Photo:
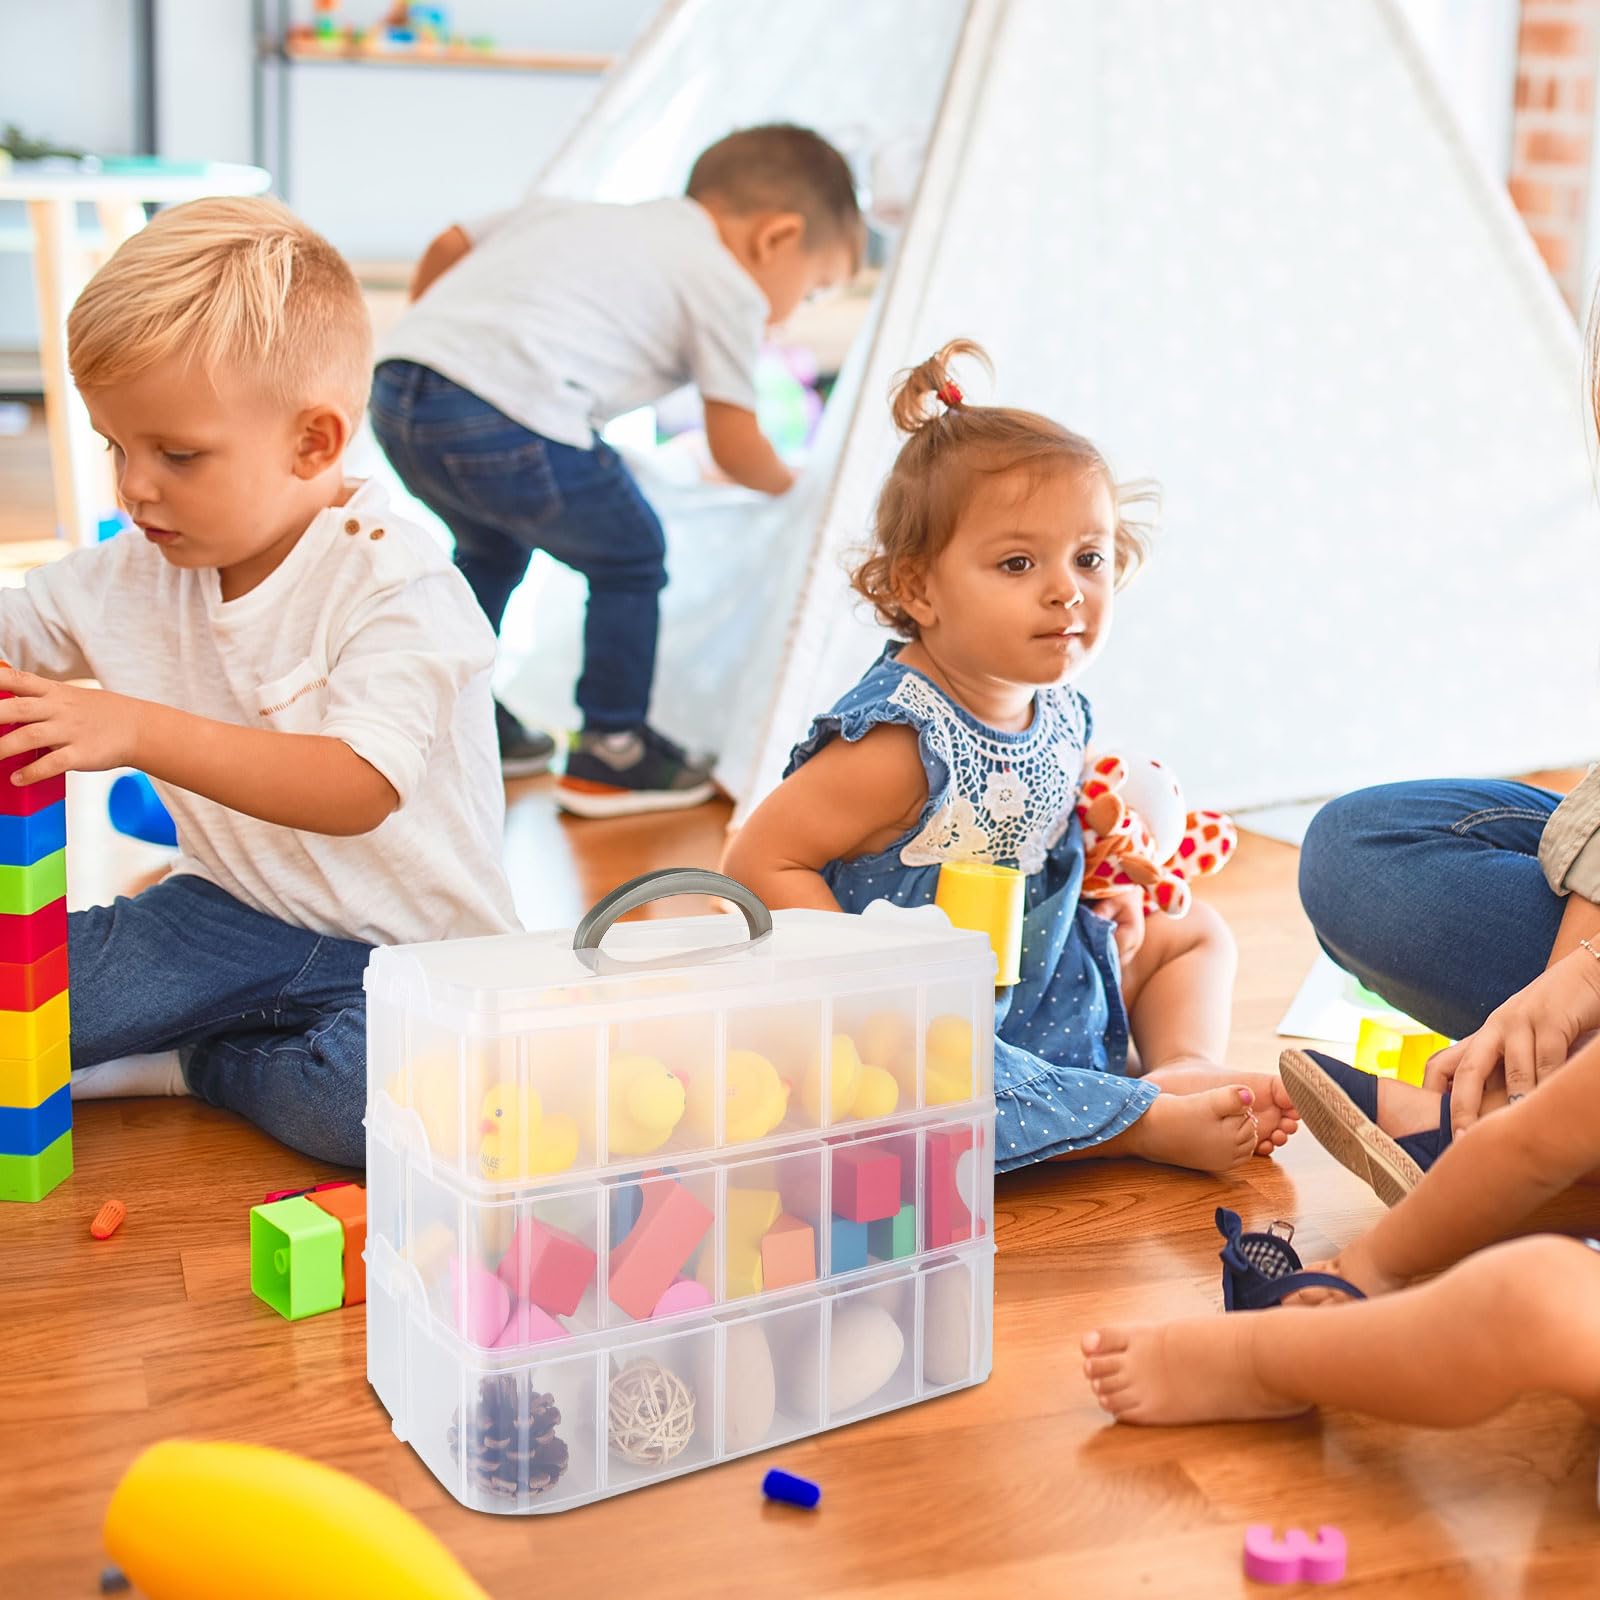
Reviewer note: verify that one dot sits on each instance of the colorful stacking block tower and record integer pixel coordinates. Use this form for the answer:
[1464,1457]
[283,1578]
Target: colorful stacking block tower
[35,1059]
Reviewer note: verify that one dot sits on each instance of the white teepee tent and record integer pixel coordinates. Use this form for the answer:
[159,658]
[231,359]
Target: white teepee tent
[1244,249]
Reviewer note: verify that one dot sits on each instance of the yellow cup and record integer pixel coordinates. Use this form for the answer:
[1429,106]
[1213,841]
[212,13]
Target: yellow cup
[987,900]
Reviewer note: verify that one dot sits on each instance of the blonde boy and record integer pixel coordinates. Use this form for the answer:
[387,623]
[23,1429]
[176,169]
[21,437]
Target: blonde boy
[536,327]
[301,673]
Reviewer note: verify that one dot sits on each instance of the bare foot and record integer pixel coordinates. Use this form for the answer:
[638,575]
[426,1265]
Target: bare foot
[1196,1370]
[1355,1265]
[1276,1116]
[1207,1132]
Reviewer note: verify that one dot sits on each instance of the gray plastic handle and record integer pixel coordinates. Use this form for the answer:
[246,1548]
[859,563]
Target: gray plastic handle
[662,885]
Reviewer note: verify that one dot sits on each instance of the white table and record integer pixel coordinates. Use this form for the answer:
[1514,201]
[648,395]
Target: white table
[53,190]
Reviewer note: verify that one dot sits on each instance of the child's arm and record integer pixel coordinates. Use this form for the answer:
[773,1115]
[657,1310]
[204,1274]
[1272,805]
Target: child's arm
[310,781]
[849,799]
[1488,1182]
[442,254]
[742,450]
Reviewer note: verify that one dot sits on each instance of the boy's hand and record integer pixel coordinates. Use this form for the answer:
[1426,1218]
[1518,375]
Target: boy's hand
[73,729]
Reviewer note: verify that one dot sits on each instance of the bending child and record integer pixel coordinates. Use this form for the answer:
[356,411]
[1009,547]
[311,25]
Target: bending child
[302,674]
[1521,1318]
[1000,541]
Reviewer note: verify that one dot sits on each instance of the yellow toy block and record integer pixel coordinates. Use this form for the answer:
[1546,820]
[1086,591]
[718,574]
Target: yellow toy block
[33,1033]
[751,1212]
[32,1080]
[1403,1053]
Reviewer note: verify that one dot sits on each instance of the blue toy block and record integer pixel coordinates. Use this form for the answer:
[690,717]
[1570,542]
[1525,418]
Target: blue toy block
[792,1490]
[849,1245]
[26,1130]
[25,840]
[627,1200]
[137,811]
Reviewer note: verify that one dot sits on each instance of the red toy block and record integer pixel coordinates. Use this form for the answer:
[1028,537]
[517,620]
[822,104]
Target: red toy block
[24,801]
[547,1267]
[788,1253]
[24,940]
[346,1203]
[26,986]
[947,1219]
[866,1182]
[671,1225]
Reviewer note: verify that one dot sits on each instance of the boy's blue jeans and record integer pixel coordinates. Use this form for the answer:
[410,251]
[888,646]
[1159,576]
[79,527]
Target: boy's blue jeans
[268,1019]
[505,492]
[1431,893]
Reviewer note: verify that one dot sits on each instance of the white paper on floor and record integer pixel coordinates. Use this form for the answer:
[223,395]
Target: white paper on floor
[1330,1005]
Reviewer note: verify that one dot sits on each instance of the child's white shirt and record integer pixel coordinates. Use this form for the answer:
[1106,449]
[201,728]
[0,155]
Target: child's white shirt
[365,633]
[565,314]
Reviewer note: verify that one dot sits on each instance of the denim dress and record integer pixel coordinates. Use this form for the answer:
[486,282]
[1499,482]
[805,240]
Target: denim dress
[1061,1034]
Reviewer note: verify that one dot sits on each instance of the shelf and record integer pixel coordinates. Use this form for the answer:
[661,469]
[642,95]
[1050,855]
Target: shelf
[342,54]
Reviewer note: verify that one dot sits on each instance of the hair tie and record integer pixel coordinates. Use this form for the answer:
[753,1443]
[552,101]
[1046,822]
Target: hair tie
[949,394]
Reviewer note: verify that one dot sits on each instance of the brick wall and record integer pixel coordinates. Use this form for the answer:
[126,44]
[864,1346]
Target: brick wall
[1553,131]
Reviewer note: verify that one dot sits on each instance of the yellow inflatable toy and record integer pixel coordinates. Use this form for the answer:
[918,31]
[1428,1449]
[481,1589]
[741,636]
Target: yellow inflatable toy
[646,1102]
[757,1099]
[856,1088]
[193,1521]
[519,1140]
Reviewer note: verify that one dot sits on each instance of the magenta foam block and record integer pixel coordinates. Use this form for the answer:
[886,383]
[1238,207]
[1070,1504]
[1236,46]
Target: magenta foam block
[1295,1558]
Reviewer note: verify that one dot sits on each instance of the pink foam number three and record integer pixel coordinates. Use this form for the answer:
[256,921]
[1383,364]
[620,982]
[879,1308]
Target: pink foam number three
[1294,1558]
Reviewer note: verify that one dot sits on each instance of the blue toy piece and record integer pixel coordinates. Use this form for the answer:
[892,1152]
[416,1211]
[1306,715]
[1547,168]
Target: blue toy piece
[849,1252]
[792,1491]
[137,811]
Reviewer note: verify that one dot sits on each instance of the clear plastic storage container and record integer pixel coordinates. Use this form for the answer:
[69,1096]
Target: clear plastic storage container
[631,1211]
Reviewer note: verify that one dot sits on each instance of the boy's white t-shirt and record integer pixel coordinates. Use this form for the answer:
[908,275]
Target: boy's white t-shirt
[566,313]
[365,633]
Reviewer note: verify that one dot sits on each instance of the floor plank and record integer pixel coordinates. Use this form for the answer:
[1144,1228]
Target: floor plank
[1016,1487]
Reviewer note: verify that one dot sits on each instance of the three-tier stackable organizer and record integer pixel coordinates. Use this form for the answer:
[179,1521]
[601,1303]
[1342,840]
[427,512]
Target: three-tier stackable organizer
[632,1211]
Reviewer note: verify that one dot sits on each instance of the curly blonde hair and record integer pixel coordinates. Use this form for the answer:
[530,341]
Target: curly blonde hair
[950,448]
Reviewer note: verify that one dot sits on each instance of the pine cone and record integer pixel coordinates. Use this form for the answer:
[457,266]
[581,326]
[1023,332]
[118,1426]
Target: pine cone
[507,1456]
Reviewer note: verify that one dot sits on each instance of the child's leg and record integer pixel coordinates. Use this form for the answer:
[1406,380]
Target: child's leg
[1518,1319]
[307,1087]
[607,531]
[184,962]
[1179,993]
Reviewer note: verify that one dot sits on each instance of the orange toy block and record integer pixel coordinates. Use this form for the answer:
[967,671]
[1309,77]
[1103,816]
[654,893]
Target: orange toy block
[671,1224]
[788,1253]
[347,1205]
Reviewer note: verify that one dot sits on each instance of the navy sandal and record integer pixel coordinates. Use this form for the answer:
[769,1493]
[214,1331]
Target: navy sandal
[1261,1269]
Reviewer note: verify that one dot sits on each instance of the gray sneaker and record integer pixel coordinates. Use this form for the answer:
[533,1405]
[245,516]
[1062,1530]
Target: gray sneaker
[623,774]
[524,752]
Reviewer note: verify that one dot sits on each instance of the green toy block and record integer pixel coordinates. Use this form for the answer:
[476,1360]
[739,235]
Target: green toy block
[33,1177]
[296,1257]
[23,890]
[895,1236]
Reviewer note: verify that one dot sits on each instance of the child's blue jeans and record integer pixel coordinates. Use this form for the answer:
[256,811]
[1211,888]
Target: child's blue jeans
[505,492]
[268,1019]
[1432,894]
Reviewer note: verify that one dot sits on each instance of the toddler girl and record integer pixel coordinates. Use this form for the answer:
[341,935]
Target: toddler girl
[1000,539]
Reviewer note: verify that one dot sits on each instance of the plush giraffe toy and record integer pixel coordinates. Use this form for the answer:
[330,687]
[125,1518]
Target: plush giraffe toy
[1137,831]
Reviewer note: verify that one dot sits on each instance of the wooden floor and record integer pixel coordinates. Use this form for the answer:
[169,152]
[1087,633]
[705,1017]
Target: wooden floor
[1017,1487]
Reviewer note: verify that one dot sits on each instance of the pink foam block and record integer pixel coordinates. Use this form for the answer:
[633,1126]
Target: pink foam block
[866,1182]
[670,1227]
[1294,1558]
[480,1301]
[548,1267]
[684,1295]
[948,1220]
[528,1325]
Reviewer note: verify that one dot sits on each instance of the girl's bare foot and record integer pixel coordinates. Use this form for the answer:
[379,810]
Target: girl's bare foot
[1276,1117]
[1197,1370]
[1207,1132]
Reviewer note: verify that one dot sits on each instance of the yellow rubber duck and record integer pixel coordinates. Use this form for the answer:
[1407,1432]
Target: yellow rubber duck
[756,1099]
[947,1071]
[517,1140]
[646,1102]
[855,1088]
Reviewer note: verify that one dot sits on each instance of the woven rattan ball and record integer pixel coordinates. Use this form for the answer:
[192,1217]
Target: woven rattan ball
[651,1412]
